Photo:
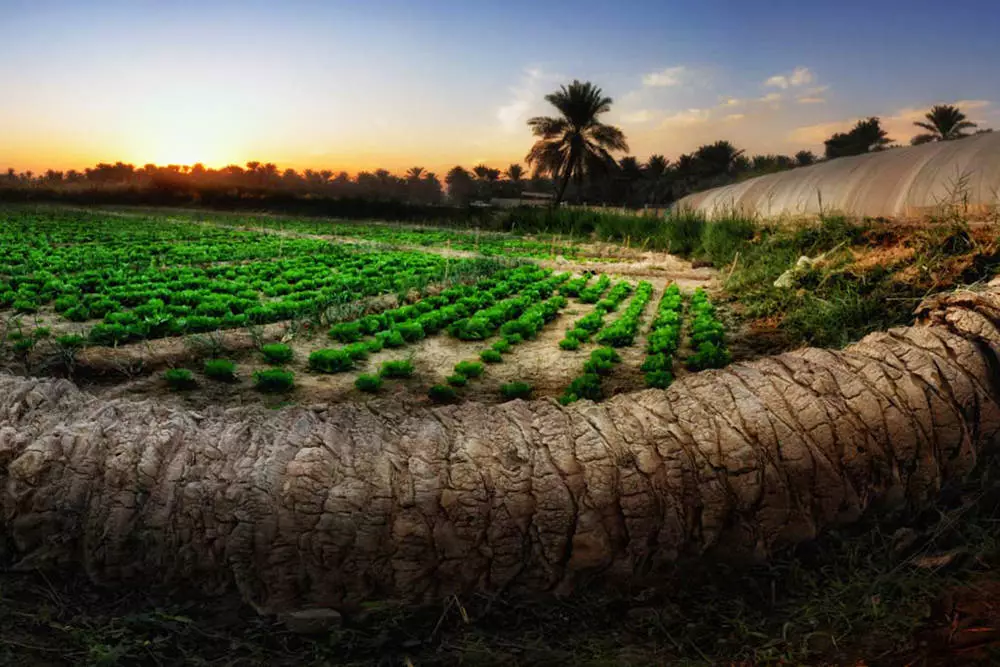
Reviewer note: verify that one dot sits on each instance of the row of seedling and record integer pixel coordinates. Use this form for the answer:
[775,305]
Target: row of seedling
[707,335]
[588,325]
[664,339]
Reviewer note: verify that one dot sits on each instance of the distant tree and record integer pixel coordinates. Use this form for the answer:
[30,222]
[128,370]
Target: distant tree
[656,171]
[415,174]
[805,158]
[944,123]
[865,137]
[718,159]
[514,173]
[630,174]
[461,187]
[576,143]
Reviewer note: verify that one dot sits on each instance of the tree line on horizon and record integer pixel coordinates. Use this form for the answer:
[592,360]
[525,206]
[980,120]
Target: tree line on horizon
[571,160]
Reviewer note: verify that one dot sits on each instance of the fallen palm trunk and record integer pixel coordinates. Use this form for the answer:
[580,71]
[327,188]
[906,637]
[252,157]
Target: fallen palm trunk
[336,505]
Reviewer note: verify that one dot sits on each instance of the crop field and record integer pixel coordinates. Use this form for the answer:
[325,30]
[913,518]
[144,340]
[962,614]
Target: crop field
[209,310]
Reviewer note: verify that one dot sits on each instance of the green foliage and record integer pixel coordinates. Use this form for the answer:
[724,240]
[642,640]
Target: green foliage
[502,346]
[368,383]
[491,356]
[180,378]
[514,390]
[331,361]
[470,369]
[346,332]
[399,368]
[587,386]
[683,232]
[222,370]
[441,393]
[277,353]
[622,332]
[708,355]
[570,342]
[659,379]
[274,380]
[70,341]
[723,238]
[457,380]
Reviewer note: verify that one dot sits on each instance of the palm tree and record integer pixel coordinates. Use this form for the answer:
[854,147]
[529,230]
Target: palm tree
[944,123]
[415,174]
[655,170]
[514,173]
[866,136]
[574,144]
[717,159]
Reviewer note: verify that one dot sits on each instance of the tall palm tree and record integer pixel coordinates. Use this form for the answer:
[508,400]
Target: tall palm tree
[574,144]
[718,158]
[944,123]
[415,174]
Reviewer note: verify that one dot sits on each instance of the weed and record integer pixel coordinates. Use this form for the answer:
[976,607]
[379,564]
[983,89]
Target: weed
[222,370]
[180,379]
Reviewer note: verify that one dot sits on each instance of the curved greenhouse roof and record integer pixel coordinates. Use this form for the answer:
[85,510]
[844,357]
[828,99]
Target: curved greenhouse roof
[895,183]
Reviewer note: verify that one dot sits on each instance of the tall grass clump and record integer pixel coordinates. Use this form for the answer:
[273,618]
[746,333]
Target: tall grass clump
[683,231]
[723,238]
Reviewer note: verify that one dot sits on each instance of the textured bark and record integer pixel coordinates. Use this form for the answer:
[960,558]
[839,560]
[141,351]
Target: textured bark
[330,507]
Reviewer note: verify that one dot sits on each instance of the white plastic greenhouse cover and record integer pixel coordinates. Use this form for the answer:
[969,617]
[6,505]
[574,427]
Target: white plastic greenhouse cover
[901,182]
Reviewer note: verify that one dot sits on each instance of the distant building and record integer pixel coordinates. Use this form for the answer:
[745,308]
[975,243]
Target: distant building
[526,199]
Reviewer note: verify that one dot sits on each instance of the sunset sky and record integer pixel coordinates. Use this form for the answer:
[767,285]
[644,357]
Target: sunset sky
[359,85]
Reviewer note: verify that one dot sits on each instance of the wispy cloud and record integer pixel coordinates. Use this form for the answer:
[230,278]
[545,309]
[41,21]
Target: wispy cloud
[638,116]
[813,95]
[523,97]
[687,118]
[800,76]
[671,76]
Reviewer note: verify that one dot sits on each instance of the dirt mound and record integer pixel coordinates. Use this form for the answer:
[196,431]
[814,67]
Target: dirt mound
[335,505]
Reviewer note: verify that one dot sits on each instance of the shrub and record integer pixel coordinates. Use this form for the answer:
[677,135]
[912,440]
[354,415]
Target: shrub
[569,343]
[470,369]
[491,356]
[411,332]
[277,353]
[368,383]
[356,351]
[659,379]
[400,368]
[457,380]
[657,362]
[222,370]
[330,361]
[70,341]
[441,393]
[374,345]
[392,339]
[514,390]
[179,378]
[586,386]
[501,346]
[274,380]
[346,332]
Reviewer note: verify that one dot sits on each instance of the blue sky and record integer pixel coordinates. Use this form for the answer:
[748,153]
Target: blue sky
[356,85]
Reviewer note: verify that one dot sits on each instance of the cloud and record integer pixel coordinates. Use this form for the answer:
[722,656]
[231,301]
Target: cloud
[638,116]
[771,98]
[800,76]
[671,76]
[813,95]
[526,94]
[899,125]
[687,118]
[733,117]
[732,102]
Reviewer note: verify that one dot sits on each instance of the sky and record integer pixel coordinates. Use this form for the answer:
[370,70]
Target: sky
[348,85]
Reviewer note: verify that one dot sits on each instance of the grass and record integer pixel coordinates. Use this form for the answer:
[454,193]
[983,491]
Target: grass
[866,594]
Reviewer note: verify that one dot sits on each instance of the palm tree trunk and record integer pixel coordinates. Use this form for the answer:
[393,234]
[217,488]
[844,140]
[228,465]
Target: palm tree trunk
[334,505]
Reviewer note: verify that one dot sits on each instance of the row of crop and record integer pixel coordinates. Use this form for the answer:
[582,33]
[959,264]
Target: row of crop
[707,335]
[588,325]
[664,339]
[620,333]
[472,317]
